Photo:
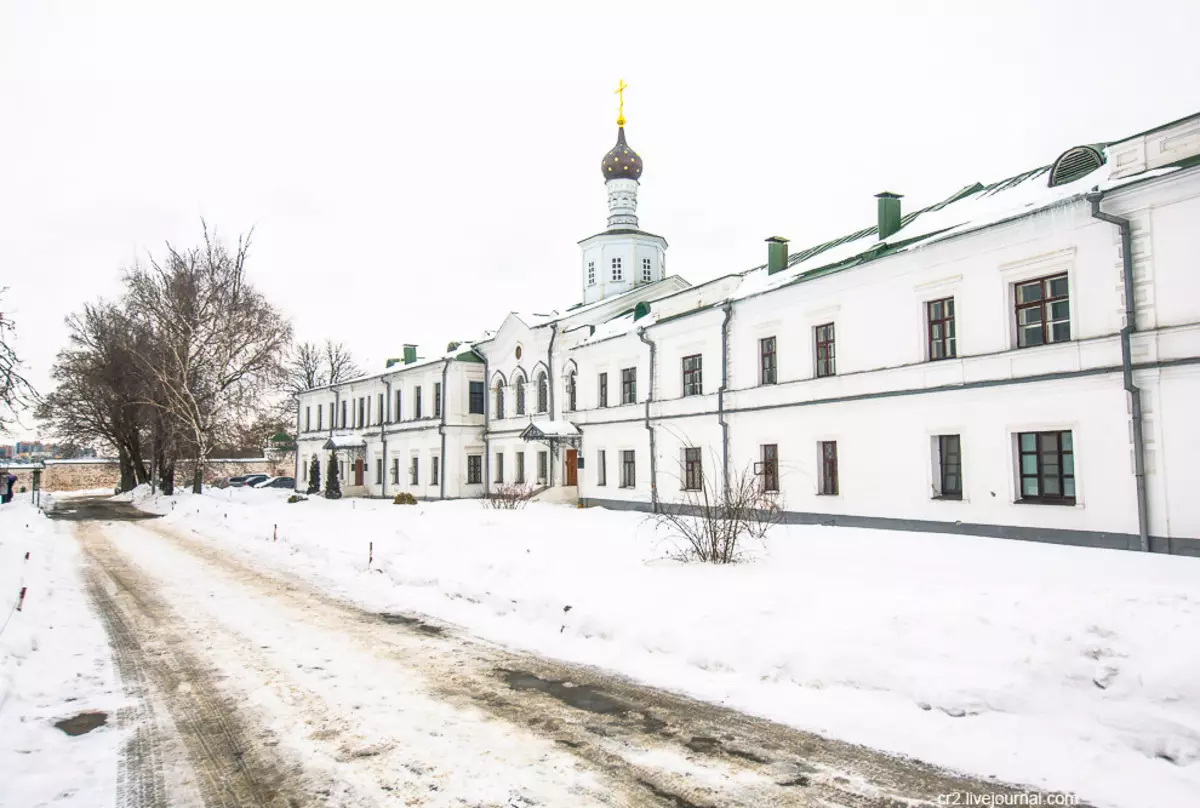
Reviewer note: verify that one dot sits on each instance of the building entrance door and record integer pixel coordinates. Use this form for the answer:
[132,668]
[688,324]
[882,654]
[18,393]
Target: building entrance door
[358,471]
[572,462]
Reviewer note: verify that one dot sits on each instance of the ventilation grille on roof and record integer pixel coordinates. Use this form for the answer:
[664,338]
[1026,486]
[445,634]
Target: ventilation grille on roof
[1075,163]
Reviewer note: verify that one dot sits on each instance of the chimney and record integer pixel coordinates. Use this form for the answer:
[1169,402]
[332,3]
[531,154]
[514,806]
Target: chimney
[391,361]
[889,213]
[777,254]
[410,354]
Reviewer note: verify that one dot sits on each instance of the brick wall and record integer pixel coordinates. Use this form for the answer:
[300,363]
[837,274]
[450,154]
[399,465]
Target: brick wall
[106,474]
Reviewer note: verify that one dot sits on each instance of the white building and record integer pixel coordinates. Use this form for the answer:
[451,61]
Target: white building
[974,366]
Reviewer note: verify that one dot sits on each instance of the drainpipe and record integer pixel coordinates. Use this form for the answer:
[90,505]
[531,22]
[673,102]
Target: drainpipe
[487,446]
[387,403]
[442,432]
[296,473]
[550,397]
[728,309]
[653,452]
[1135,395]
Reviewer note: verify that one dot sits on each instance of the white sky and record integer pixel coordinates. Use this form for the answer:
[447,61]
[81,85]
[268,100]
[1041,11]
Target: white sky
[413,174]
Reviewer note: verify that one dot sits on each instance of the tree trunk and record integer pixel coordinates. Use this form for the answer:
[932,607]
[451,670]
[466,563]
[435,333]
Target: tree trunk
[198,478]
[167,478]
[128,481]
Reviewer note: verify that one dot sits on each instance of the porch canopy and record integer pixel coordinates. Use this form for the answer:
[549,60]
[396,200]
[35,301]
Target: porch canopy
[552,432]
[345,442]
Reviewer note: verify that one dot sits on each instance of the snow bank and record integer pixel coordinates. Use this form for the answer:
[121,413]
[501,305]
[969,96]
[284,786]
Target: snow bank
[1067,668]
[54,664]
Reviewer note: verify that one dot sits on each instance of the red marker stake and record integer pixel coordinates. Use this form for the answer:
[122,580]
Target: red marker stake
[21,599]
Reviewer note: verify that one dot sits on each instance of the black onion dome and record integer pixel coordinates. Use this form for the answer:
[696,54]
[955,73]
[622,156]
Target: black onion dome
[621,162]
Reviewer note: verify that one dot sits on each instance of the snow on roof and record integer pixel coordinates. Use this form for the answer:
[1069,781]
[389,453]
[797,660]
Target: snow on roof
[345,442]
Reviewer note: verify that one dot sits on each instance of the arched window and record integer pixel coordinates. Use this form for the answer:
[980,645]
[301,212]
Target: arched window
[520,395]
[543,392]
[499,399]
[571,391]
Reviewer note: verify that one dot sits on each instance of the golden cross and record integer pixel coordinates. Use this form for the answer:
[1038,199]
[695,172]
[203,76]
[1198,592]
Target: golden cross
[620,92]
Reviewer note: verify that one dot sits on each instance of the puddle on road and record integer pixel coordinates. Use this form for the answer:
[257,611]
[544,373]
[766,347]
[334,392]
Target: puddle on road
[411,622]
[83,723]
[582,697]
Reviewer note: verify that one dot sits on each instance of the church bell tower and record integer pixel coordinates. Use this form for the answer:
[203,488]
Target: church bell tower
[622,256]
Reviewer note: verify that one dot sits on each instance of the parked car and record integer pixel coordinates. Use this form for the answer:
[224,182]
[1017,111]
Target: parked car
[277,482]
[247,480]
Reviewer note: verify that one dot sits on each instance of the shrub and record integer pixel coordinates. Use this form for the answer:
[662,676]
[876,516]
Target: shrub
[333,483]
[713,522]
[314,477]
[297,498]
[511,497]
[404,498]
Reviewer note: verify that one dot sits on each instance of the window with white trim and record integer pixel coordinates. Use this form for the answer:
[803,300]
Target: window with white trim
[591,275]
[647,271]
[617,272]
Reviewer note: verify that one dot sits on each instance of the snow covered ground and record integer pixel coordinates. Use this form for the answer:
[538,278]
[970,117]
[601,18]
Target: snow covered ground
[54,664]
[1065,668]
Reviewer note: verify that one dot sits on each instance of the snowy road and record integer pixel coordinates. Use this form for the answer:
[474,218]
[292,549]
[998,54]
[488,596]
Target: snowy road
[256,690]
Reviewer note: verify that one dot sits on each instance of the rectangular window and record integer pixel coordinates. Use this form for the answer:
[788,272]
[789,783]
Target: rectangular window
[380,416]
[437,399]
[647,271]
[305,477]
[829,468]
[417,402]
[543,468]
[475,398]
[321,412]
[342,470]
[591,273]
[949,467]
[629,386]
[362,411]
[940,315]
[499,467]
[603,388]
[344,414]
[826,351]
[617,272]
[500,400]
[767,361]
[397,416]
[601,468]
[395,471]
[628,469]
[768,467]
[414,471]
[520,468]
[693,379]
[1043,311]
[435,464]
[379,471]
[693,475]
[1047,466]
[474,469]
[308,419]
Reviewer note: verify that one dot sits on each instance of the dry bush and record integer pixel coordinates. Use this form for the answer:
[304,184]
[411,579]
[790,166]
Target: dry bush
[713,523]
[509,497]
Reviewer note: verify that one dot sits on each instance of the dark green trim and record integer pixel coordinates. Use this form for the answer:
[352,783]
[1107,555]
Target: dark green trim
[1080,538]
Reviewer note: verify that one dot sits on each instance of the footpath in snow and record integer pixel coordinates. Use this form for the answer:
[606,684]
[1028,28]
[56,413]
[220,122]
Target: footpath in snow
[1065,668]
[54,664]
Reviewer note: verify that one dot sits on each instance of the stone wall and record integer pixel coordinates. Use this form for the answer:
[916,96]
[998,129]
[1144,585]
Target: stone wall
[77,475]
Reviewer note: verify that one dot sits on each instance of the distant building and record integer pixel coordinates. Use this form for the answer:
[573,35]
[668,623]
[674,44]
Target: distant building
[6,452]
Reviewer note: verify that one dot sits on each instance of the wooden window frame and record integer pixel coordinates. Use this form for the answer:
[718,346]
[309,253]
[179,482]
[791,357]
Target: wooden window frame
[1061,498]
[946,491]
[414,470]
[476,396]
[602,398]
[628,468]
[629,385]
[520,385]
[499,400]
[398,415]
[499,467]
[1043,305]
[601,468]
[693,469]
[943,345]
[693,377]
[474,469]
[417,403]
[828,485]
[825,339]
[768,361]
[520,471]
[437,399]
[768,466]
[543,392]
[543,467]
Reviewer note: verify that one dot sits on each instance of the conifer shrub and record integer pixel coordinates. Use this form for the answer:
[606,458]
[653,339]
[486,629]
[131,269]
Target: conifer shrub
[314,477]
[333,483]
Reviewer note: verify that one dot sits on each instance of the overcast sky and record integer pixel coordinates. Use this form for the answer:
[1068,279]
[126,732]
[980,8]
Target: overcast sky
[411,174]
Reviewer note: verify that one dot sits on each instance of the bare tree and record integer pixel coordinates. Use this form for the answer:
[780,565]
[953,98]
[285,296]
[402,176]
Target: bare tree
[15,392]
[217,343]
[339,363]
[510,497]
[311,365]
[100,392]
[712,522]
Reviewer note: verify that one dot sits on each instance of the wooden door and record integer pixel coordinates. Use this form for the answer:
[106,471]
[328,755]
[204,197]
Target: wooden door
[358,471]
[572,475]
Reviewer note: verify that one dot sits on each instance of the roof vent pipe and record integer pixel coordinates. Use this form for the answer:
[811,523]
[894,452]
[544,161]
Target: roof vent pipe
[410,354]
[889,213]
[777,254]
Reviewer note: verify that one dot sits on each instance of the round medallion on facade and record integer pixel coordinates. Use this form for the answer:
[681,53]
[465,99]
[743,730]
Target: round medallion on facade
[621,162]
